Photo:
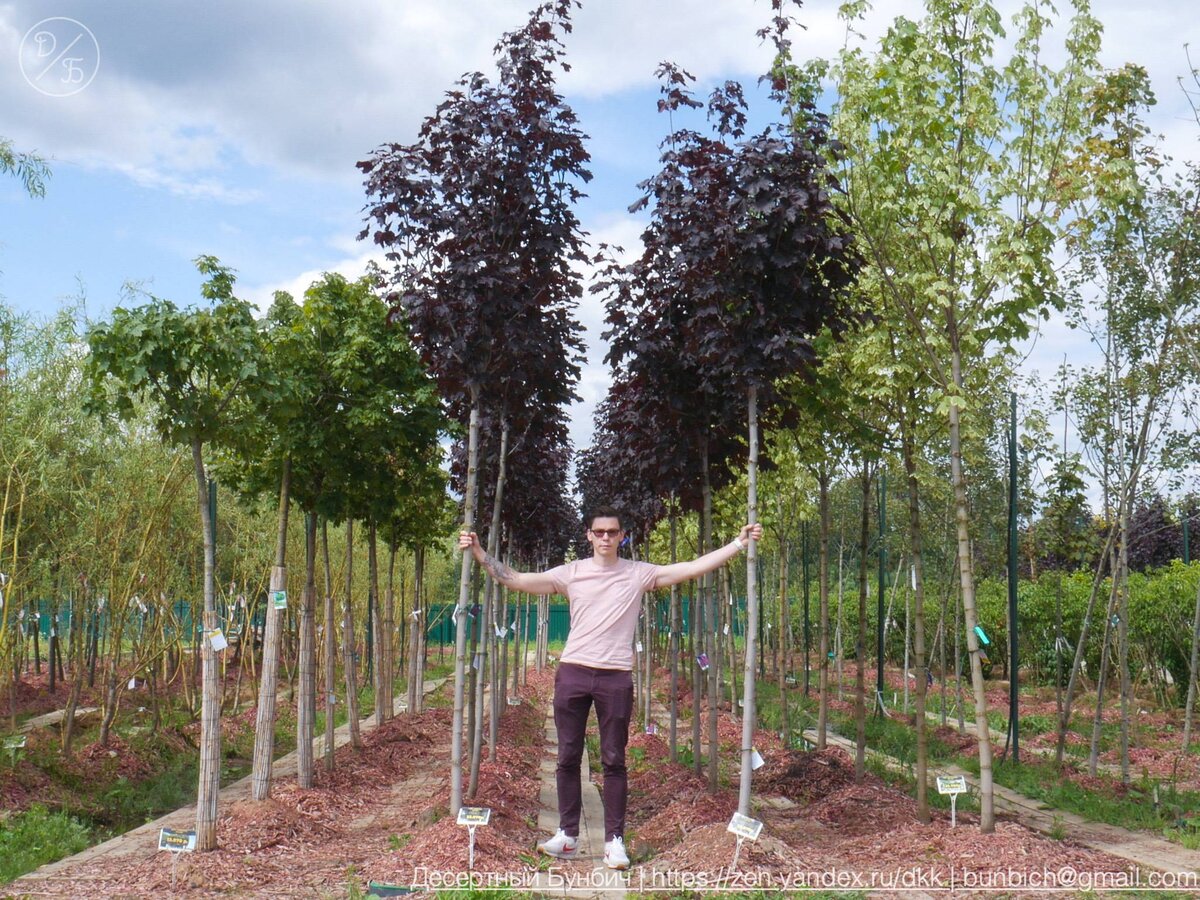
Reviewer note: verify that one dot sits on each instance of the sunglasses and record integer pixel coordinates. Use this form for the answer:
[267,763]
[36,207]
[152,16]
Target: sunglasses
[605,532]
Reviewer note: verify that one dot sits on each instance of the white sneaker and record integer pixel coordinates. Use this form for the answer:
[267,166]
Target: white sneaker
[561,845]
[615,856]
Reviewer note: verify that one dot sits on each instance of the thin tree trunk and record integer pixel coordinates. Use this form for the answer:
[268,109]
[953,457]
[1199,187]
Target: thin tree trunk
[748,711]
[306,703]
[713,645]
[676,625]
[264,725]
[823,601]
[349,666]
[460,612]
[330,650]
[860,673]
[210,706]
[987,815]
[916,549]
[416,660]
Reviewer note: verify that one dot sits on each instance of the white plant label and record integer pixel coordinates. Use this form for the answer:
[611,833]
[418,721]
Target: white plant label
[639,647]
[176,841]
[744,827]
[217,639]
[133,684]
[725,630]
[474,815]
[756,760]
[951,784]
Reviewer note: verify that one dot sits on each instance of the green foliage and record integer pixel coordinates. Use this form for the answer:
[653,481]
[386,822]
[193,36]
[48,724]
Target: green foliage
[188,364]
[30,168]
[36,837]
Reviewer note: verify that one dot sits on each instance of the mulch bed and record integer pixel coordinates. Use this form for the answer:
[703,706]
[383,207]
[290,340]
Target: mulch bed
[381,815]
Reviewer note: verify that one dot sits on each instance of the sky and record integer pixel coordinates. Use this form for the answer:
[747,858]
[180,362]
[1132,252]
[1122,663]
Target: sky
[178,129]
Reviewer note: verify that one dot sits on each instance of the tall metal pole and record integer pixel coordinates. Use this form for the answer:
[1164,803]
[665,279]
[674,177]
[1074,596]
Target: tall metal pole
[1013,665]
[882,576]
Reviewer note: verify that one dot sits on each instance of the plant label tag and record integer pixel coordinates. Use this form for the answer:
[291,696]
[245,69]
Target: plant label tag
[176,841]
[702,661]
[217,639]
[474,815]
[53,632]
[640,648]
[979,632]
[15,743]
[790,679]
[500,632]
[514,701]
[651,728]
[477,661]
[951,784]
[744,827]
[513,626]
[725,630]
[332,699]
[133,684]
[279,599]
[756,760]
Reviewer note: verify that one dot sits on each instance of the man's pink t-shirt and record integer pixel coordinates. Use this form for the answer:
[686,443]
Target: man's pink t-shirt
[605,603]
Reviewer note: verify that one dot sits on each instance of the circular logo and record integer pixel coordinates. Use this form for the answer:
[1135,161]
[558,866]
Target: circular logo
[59,56]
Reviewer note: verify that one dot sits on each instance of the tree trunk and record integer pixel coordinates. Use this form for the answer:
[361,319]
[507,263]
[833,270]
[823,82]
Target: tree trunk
[264,725]
[921,670]
[349,650]
[712,644]
[676,626]
[460,613]
[785,641]
[306,703]
[823,602]
[330,650]
[748,711]
[1190,705]
[697,611]
[860,662]
[966,571]
[210,706]
[416,659]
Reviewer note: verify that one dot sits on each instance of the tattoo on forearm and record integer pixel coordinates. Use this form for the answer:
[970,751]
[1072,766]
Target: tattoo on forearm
[502,573]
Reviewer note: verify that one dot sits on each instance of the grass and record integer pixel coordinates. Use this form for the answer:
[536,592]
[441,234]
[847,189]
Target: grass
[36,837]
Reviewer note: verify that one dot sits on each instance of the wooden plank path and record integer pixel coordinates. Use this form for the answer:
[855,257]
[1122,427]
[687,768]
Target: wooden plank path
[1140,848]
[54,718]
[143,840]
[601,883]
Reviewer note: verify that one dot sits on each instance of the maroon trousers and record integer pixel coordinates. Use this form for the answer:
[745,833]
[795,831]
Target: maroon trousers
[576,688]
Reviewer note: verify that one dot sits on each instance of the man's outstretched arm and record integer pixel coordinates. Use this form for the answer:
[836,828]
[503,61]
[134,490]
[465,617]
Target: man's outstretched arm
[686,571]
[528,582]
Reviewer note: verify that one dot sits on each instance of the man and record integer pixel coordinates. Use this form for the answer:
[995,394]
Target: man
[596,666]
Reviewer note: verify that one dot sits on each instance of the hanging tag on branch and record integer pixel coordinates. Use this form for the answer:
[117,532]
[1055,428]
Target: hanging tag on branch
[279,599]
[217,640]
[979,632]
[702,661]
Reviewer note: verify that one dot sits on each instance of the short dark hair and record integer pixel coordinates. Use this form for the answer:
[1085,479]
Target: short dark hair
[603,512]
